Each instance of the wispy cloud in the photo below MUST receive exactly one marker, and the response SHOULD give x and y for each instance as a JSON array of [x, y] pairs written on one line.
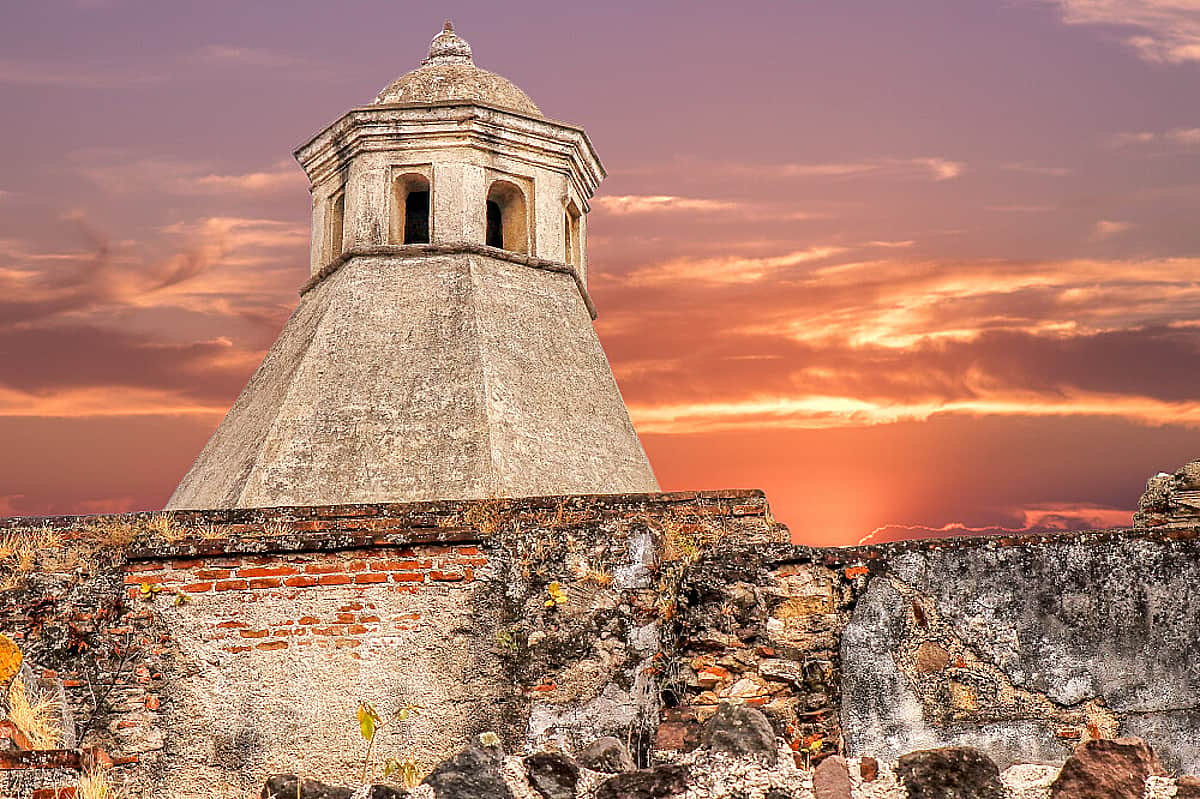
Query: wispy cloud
[[238, 56], [1107, 228], [625, 204], [1164, 31], [74, 76], [283, 176], [1038, 169], [244, 262], [1184, 137], [727, 269], [934, 168], [120, 175], [1022, 209]]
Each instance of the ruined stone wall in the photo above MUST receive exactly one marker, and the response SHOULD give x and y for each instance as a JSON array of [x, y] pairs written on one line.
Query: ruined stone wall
[[1020, 647], [205, 650]]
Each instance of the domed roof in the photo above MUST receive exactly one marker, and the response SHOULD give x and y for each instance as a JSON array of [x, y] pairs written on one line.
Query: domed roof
[[449, 75]]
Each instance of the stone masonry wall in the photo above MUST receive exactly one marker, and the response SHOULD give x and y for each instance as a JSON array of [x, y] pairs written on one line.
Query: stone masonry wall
[[205, 650]]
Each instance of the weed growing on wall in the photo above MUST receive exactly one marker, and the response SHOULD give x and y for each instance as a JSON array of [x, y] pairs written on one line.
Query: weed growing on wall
[[369, 724]]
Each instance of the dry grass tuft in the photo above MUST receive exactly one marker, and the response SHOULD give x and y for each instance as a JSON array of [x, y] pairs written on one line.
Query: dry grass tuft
[[589, 572], [22, 550], [114, 532], [41, 721], [163, 524], [94, 784], [485, 516], [598, 575]]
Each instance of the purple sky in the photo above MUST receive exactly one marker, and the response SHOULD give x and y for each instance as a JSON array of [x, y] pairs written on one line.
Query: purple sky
[[914, 265]]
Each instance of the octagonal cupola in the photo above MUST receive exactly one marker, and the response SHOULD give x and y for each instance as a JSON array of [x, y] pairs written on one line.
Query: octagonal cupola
[[451, 155]]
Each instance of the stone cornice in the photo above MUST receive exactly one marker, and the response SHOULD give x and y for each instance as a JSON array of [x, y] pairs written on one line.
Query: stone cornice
[[452, 248], [543, 142]]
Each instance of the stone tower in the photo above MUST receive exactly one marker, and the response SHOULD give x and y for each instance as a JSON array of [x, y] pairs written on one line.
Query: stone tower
[[443, 346]]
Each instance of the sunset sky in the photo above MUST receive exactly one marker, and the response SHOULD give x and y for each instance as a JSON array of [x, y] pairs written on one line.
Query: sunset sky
[[910, 267]]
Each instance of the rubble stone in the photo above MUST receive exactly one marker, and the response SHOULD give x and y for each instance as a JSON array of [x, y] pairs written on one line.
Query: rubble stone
[[1107, 769], [553, 775], [474, 772], [740, 730], [608, 755], [831, 779], [956, 772], [649, 783]]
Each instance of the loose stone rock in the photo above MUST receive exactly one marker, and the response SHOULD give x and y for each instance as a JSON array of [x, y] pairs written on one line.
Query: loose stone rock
[[608, 755], [956, 772], [474, 772], [1187, 787], [868, 769], [1107, 769], [553, 775], [831, 779], [740, 730], [650, 783]]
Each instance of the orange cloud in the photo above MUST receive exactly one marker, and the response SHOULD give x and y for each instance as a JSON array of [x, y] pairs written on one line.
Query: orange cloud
[[831, 411], [726, 269]]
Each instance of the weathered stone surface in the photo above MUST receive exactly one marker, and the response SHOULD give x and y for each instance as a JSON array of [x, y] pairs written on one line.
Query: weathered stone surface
[[449, 75], [283, 786], [424, 337], [474, 772], [931, 657], [553, 775], [651, 783], [1100, 622], [950, 773], [606, 754], [1107, 769], [831, 779], [740, 730]]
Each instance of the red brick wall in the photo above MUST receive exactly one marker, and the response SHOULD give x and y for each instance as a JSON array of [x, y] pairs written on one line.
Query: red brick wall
[[287, 577]]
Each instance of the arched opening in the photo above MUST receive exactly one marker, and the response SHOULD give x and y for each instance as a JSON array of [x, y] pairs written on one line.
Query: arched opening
[[574, 247], [334, 226], [507, 217], [410, 210]]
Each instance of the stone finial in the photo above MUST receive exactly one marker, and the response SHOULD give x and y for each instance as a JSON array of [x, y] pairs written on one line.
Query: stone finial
[[448, 48]]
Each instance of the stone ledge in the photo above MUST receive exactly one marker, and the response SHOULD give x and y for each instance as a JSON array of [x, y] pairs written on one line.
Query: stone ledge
[[236, 531], [451, 248]]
